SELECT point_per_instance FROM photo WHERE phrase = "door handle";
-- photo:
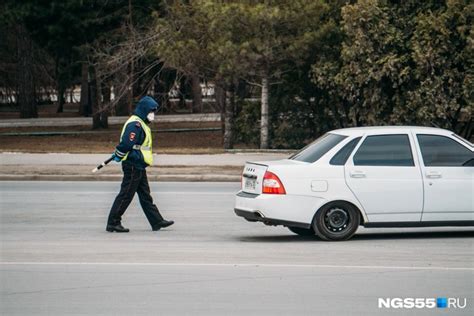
(357, 174)
(433, 174)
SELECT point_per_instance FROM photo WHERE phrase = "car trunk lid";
(252, 177)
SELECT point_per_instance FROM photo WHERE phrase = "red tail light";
(272, 184)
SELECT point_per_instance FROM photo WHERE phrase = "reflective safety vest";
(144, 148)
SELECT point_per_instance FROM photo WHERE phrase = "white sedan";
(391, 176)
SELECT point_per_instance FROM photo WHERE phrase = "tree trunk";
(61, 101)
(105, 105)
(84, 107)
(95, 102)
(182, 92)
(264, 124)
(121, 92)
(60, 88)
(130, 88)
(197, 94)
(106, 93)
(26, 86)
(161, 94)
(220, 102)
(229, 120)
(163, 84)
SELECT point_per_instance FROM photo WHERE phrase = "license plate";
(250, 184)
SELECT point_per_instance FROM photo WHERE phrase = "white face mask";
(151, 116)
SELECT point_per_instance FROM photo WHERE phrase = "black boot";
(117, 228)
(164, 223)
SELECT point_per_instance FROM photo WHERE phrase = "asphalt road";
(56, 259)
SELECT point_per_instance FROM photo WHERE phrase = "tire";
(336, 221)
(302, 231)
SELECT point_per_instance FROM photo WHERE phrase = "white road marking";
(256, 265)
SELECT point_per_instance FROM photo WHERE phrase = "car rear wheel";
(302, 231)
(336, 221)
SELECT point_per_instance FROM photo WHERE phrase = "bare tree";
(117, 61)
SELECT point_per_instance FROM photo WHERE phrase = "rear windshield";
(318, 148)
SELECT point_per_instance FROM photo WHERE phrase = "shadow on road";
(365, 236)
(415, 235)
(279, 238)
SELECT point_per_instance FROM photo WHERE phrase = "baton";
(102, 165)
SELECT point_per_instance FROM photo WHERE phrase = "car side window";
(442, 151)
(384, 150)
(340, 158)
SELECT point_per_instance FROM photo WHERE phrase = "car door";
(448, 176)
(386, 179)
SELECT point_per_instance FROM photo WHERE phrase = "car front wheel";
(336, 221)
(302, 231)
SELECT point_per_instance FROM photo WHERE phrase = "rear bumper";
(256, 216)
(276, 209)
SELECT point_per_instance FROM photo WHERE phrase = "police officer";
(134, 151)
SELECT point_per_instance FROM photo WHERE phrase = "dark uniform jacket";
(135, 135)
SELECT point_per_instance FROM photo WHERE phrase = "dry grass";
(104, 141)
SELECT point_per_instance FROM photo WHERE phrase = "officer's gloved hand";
(116, 158)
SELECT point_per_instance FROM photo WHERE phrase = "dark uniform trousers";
(134, 180)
